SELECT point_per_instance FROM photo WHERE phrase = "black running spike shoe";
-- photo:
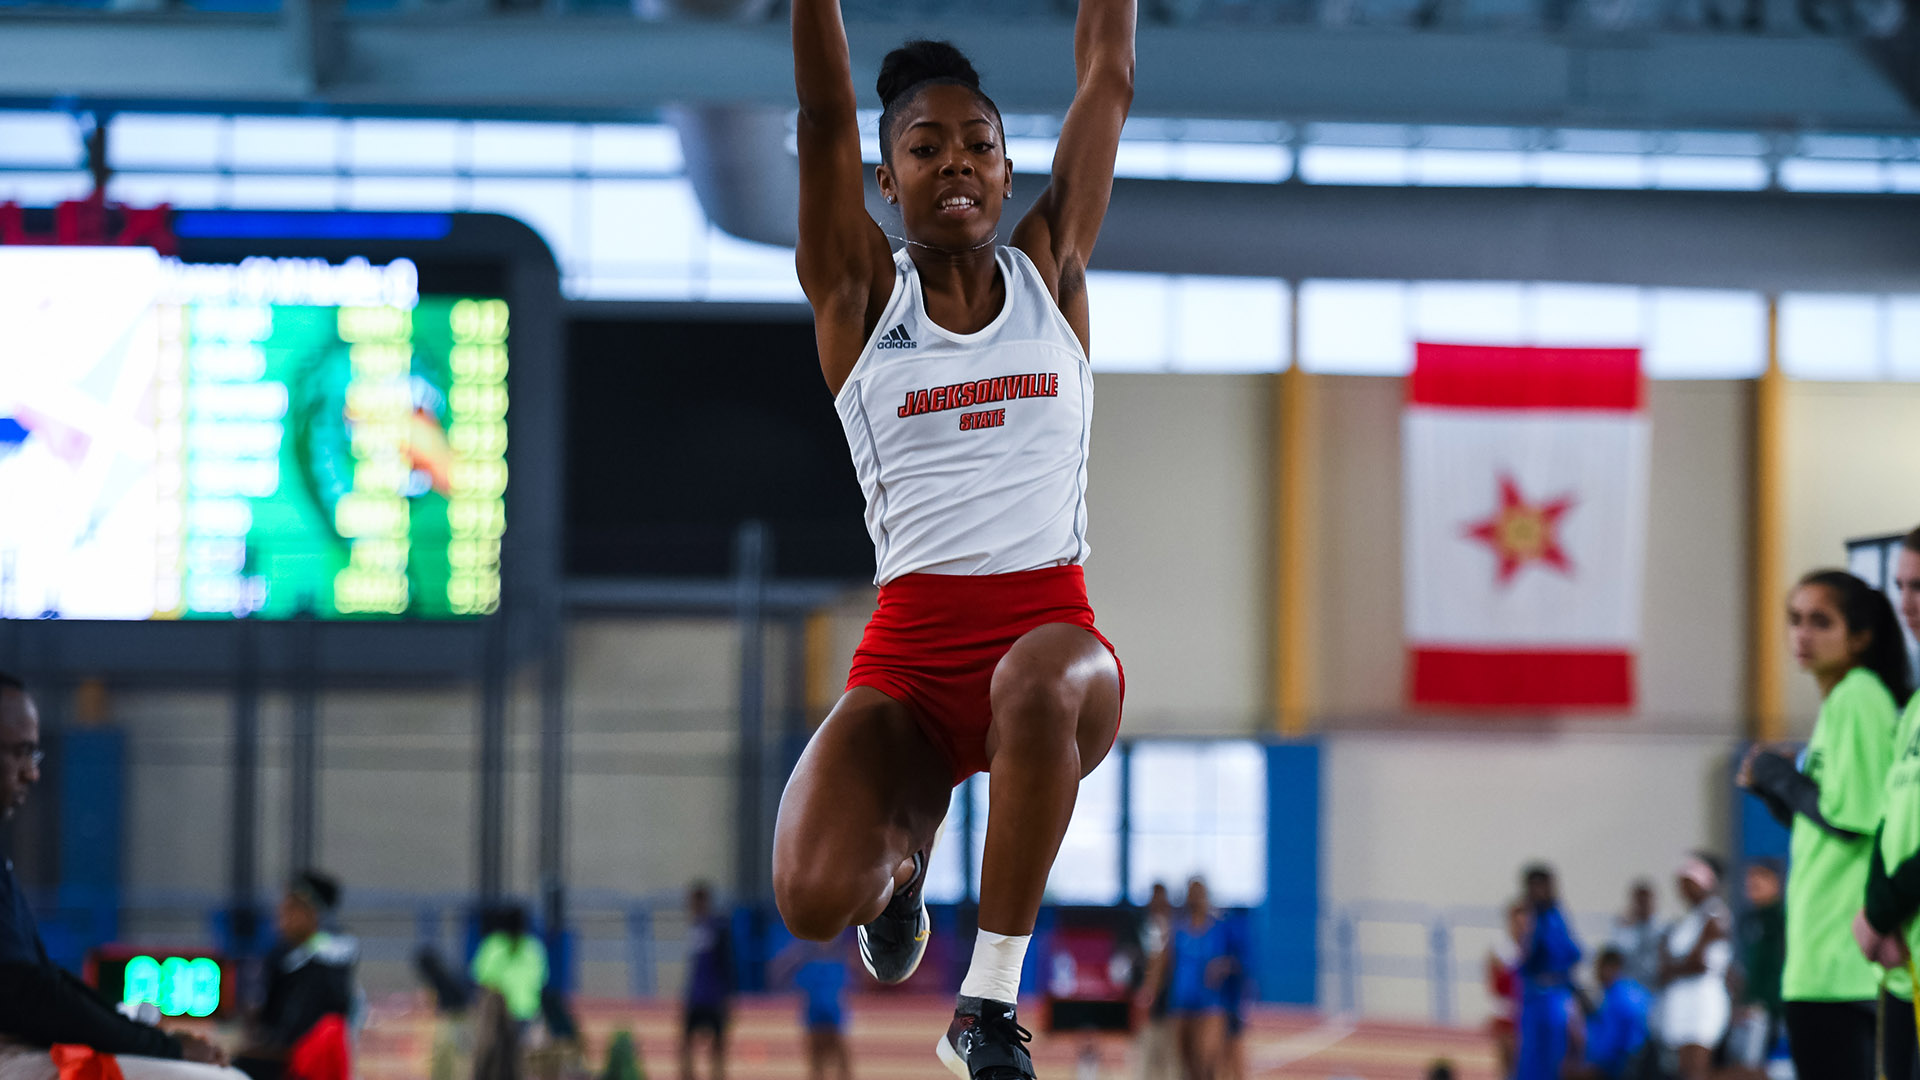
(891, 946)
(986, 1042)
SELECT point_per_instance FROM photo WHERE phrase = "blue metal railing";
(1403, 961)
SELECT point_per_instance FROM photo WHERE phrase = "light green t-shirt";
(519, 972)
(1900, 837)
(1848, 756)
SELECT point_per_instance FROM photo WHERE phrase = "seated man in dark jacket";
(309, 976)
(41, 1005)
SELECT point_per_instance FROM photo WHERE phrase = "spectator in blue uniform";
(1203, 961)
(819, 971)
(1618, 1028)
(1547, 960)
(1234, 993)
(709, 982)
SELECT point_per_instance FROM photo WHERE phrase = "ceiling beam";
(602, 67)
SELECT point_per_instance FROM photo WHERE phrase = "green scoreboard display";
(271, 438)
(177, 984)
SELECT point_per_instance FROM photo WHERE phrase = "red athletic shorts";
(935, 639)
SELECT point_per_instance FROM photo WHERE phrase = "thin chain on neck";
(988, 242)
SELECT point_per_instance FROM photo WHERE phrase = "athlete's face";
(1906, 577)
(1821, 641)
(949, 172)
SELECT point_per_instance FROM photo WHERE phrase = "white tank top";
(1685, 933)
(972, 448)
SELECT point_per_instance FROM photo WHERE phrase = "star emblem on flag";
(1522, 532)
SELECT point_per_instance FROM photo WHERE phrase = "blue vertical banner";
(92, 826)
(1286, 958)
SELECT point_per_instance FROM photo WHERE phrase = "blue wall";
(1286, 941)
(92, 805)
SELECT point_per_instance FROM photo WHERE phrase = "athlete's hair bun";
(918, 61)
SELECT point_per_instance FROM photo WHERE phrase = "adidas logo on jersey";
(897, 338)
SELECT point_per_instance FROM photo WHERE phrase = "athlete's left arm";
(1059, 231)
(1893, 893)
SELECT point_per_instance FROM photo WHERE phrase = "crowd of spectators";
(1816, 965)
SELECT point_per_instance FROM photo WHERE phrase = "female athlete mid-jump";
(959, 369)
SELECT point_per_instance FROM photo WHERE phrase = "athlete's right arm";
(844, 264)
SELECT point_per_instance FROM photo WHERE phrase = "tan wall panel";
(1177, 500)
(1853, 469)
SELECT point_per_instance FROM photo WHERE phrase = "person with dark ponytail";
(1846, 636)
(959, 369)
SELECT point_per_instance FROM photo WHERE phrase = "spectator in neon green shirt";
(513, 963)
(1845, 634)
(1886, 928)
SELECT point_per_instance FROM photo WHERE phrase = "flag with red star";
(1525, 517)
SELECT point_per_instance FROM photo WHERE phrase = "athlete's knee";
(818, 905)
(1031, 702)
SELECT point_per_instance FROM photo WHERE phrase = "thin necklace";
(988, 242)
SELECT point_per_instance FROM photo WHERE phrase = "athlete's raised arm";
(845, 266)
(1058, 233)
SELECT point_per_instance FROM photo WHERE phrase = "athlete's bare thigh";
(869, 790)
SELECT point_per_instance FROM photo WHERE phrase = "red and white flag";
(1526, 509)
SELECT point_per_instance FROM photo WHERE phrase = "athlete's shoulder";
(1862, 692)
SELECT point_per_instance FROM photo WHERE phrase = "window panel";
(1469, 312)
(197, 191)
(46, 139)
(1830, 336)
(1144, 160)
(946, 870)
(429, 146)
(1557, 169)
(1903, 338)
(1818, 174)
(43, 188)
(1470, 168)
(404, 192)
(1584, 316)
(1129, 316)
(656, 224)
(283, 142)
(1704, 334)
(1383, 165)
(282, 192)
(1227, 324)
(1087, 870)
(152, 140)
(518, 148)
(642, 148)
(1355, 328)
(1708, 173)
(745, 271)
(1251, 163)
(1031, 155)
(1199, 809)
